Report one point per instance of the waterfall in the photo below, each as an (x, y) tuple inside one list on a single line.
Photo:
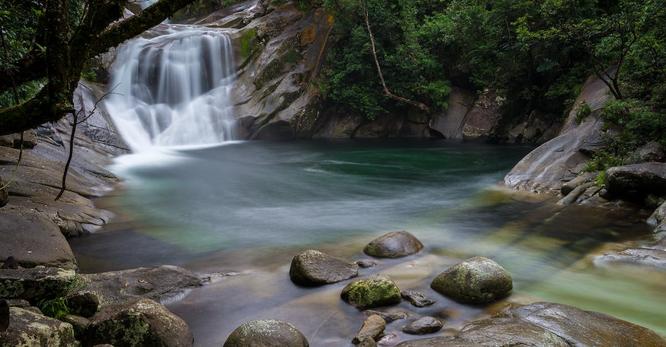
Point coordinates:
[(173, 88)]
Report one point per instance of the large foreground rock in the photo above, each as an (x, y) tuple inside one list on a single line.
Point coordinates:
[(476, 280), (395, 244), (371, 292), (140, 322), (266, 333), (157, 283), (33, 239), (36, 284), (314, 268), (547, 324), (27, 328), (637, 181)]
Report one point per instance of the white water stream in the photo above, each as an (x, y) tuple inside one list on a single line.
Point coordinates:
[(173, 88)]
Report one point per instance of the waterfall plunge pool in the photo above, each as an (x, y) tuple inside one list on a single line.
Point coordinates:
[(246, 208)]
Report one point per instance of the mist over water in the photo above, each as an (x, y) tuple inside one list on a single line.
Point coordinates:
[(172, 88), (247, 208)]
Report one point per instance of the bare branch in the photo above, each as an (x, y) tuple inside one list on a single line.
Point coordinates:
[(387, 92)]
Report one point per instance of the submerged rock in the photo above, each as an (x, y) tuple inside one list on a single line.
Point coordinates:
[(395, 244), (648, 255), (424, 325), (416, 298), (314, 268), (157, 283), (637, 181), (266, 333), (546, 324), (372, 329), (35, 284), (476, 280), (389, 315), (141, 322), (585, 328), (366, 263), (28, 328), (372, 292)]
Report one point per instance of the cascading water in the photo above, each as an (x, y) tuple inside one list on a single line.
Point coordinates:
[(173, 88)]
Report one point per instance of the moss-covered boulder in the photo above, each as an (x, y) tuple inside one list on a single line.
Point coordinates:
[(37, 284), (371, 292), (29, 328), (395, 244), (141, 322), (314, 268), (476, 280), (266, 333)]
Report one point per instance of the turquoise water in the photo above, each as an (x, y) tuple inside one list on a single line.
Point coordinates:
[(249, 207)]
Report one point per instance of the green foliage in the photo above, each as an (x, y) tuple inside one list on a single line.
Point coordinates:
[(25, 92), (410, 69), (600, 180), (534, 54), (636, 123), (56, 308), (583, 112), (246, 42), (630, 124)]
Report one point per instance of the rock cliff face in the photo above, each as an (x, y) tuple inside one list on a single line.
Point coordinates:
[(563, 158), (33, 226), (280, 51)]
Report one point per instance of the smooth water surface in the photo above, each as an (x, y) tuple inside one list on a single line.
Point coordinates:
[(246, 208)]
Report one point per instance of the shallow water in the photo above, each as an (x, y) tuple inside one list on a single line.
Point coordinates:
[(246, 208)]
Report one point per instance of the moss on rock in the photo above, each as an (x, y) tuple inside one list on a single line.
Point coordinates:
[(137, 323), (476, 280), (372, 292), (37, 284)]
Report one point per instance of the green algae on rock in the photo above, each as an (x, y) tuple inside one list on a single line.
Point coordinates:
[(140, 322), (28, 328), (371, 292), (37, 284), (476, 280)]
